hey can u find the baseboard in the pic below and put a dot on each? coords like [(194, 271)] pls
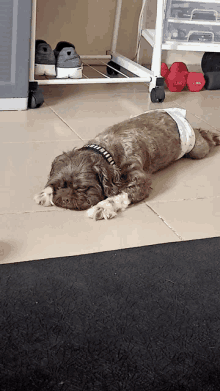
[(17, 104)]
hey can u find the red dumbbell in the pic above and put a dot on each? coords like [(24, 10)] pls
[(176, 81), (179, 67), (164, 70), (176, 76), (195, 81)]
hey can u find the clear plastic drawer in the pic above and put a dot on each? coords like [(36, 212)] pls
[(192, 33), (193, 10), (192, 21)]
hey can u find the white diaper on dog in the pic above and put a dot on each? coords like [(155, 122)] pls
[(187, 134)]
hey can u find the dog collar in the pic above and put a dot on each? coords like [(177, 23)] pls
[(102, 151)]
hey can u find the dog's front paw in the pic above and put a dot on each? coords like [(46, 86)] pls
[(108, 208), (45, 197), (103, 210)]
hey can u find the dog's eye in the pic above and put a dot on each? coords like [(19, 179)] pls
[(64, 185)]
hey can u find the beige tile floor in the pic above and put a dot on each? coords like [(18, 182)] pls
[(184, 203)]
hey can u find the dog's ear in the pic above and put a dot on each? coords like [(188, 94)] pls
[(61, 161), (109, 178)]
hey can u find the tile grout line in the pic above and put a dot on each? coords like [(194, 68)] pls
[(200, 118), (38, 141), (32, 211), (183, 199), (144, 203), (161, 218), (73, 131)]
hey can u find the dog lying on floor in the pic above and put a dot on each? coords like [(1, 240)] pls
[(114, 169)]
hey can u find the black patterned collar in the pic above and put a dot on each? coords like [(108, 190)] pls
[(102, 151)]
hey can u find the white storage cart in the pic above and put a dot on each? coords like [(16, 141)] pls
[(119, 69), (192, 25)]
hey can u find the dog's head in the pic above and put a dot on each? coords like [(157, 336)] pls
[(81, 179)]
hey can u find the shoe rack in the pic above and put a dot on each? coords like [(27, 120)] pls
[(192, 25), (118, 69)]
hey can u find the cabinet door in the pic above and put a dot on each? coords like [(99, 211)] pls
[(15, 27)]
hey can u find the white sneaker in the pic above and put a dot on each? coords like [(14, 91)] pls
[(44, 59), (68, 62)]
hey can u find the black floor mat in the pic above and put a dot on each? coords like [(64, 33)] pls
[(140, 319)]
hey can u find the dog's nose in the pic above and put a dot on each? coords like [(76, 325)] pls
[(65, 200)]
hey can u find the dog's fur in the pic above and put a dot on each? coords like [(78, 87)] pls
[(81, 179)]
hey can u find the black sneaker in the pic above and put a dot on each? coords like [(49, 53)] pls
[(68, 62), (44, 59)]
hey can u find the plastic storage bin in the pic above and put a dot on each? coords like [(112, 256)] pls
[(193, 10), (192, 33), (192, 21)]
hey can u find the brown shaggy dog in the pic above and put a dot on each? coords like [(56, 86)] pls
[(109, 180)]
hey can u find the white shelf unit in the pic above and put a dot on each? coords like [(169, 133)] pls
[(155, 36), (151, 35), (130, 71)]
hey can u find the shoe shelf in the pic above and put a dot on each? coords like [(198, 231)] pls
[(95, 68)]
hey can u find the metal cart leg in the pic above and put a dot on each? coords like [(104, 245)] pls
[(110, 70), (35, 95), (156, 87), (33, 35), (116, 25)]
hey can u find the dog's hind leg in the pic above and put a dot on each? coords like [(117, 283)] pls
[(205, 141)]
